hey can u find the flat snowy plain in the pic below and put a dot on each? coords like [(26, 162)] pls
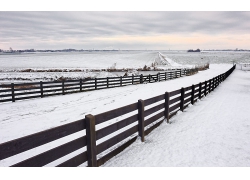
[(11, 65), (213, 132)]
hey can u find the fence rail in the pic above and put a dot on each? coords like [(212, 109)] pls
[(132, 121), (20, 91)]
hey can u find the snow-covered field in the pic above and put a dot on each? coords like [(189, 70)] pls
[(123, 59), (11, 65), (84, 62), (213, 116)]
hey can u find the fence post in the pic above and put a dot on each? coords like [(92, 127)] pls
[(132, 78), (192, 95), (63, 87), (13, 92), (141, 79), (165, 76), (141, 119), (209, 85), (158, 77), (200, 90), (205, 91), (213, 84), (107, 82), (182, 99), (180, 72), (80, 84), (211, 80), (91, 140), (95, 84), (167, 97), (149, 78), (41, 88), (120, 80)]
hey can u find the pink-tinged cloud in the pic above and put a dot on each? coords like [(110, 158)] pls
[(125, 30)]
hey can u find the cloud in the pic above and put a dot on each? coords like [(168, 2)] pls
[(57, 29)]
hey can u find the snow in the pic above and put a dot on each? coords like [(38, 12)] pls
[(11, 65), (194, 138), (81, 60), (243, 66), (213, 132), (39, 114), (163, 60), (27, 117)]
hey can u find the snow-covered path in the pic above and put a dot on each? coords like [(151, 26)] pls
[(213, 132)]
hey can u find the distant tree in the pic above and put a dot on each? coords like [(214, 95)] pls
[(1, 50)]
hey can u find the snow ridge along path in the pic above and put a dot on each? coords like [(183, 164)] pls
[(213, 132)]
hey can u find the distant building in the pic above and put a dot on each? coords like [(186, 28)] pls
[(191, 50)]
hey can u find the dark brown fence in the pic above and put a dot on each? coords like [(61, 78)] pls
[(117, 128), (14, 92)]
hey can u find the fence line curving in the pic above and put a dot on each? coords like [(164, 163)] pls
[(102, 143)]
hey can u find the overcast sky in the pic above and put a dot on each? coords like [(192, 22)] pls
[(135, 30)]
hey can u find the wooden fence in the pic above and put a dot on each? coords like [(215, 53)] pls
[(13, 92), (139, 119)]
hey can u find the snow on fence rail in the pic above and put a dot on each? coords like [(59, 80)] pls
[(101, 144), (13, 92)]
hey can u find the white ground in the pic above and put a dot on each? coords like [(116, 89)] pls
[(193, 139), (10, 64), (29, 116), (213, 132), (78, 60), (84, 61), (189, 136)]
